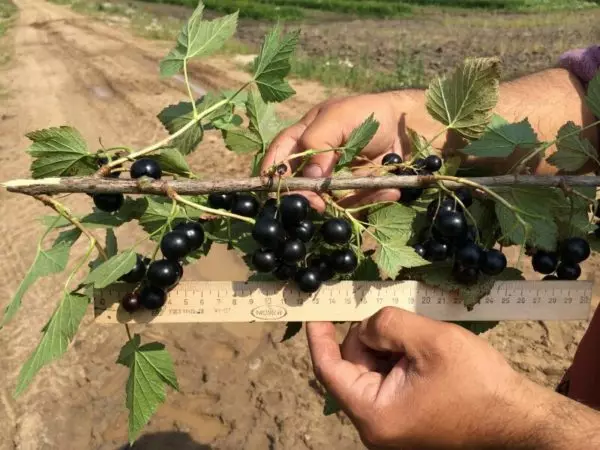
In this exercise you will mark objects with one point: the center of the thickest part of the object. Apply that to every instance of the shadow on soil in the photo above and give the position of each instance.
(166, 441)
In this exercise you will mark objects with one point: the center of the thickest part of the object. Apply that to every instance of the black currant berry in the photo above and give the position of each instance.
(468, 255)
(447, 205)
(336, 231)
(451, 224)
(465, 275)
(568, 271)
(108, 202)
(303, 231)
(194, 232)
(292, 251)
(574, 250)
(465, 195)
(268, 232)
(269, 209)
(136, 274)
(344, 261)
(152, 297)
(179, 272)
(285, 272)
(550, 278)
(163, 273)
(131, 302)
(419, 163)
(221, 200)
(308, 280)
(145, 167)
(293, 209)
(175, 245)
(391, 159)
(492, 262)
(433, 163)
(102, 160)
(245, 205)
(420, 250)
(281, 169)
(322, 263)
(435, 250)
(264, 260)
(544, 262)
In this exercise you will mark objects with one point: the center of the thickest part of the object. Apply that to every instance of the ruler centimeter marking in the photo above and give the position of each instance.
(232, 301)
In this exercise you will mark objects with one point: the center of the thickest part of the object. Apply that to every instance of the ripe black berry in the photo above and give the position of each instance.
(493, 262)
(175, 245)
(152, 297)
(322, 263)
(447, 205)
(544, 262)
(221, 200)
(308, 280)
(336, 231)
(293, 209)
(451, 224)
(420, 250)
(568, 271)
(268, 232)
(145, 167)
(550, 278)
(292, 251)
(130, 302)
(391, 159)
(108, 202)
(435, 250)
(264, 260)
(574, 250)
(303, 231)
(194, 232)
(433, 163)
(136, 274)
(419, 163)
(269, 209)
(465, 275)
(469, 255)
(163, 273)
(344, 261)
(285, 272)
(281, 169)
(102, 160)
(245, 205)
(465, 195)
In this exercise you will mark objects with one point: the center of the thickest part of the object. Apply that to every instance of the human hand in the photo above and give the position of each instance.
(407, 382)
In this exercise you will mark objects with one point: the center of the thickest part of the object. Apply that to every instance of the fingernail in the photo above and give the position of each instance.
(312, 171)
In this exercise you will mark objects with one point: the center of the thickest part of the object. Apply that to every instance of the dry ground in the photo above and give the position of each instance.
(240, 389)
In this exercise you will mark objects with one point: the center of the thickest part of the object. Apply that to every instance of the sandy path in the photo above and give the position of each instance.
(240, 389)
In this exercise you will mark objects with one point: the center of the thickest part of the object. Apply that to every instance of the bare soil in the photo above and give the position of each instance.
(240, 388)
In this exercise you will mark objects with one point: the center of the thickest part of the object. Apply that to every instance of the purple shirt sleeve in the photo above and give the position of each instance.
(583, 63)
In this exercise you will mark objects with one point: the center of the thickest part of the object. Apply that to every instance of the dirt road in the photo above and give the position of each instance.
(239, 388)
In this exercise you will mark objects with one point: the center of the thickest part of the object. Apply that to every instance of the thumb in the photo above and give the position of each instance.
(399, 331)
(322, 134)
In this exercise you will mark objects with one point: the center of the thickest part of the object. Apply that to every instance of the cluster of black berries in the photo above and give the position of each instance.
(562, 264)
(144, 167)
(421, 166)
(286, 236)
(158, 277)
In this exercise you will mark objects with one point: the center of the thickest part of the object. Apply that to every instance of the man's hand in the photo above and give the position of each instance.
(409, 382)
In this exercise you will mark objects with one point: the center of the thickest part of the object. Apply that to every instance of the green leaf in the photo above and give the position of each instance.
(464, 102)
(536, 204)
(573, 151)
(291, 330)
(198, 38)
(172, 160)
(111, 247)
(420, 147)
(131, 209)
(174, 118)
(272, 65)
(574, 220)
(242, 141)
(366, 271)
(227, 122)
(46, 262)
(593, 95)
(57, 334)
(392, 222)
(450, 167)
(112, 269)
(68, 237)
(263, 119)
(54, 221)
(158, 210)
(331, 405)
(358, 140)
(150, 371)
(502, 138)
(484, 214)
(60, 152)
(392, 256)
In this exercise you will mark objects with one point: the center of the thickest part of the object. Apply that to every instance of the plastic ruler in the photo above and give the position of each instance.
(231, 301)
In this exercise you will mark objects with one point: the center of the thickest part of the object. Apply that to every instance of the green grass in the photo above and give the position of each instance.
(8, 11)
(363, 8)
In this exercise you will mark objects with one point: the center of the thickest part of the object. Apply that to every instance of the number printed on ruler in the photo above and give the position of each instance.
(349, 301)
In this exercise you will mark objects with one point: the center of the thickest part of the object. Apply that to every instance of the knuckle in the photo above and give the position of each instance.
(383, 319)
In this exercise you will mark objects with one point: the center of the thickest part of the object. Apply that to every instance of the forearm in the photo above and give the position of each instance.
(549, 99)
